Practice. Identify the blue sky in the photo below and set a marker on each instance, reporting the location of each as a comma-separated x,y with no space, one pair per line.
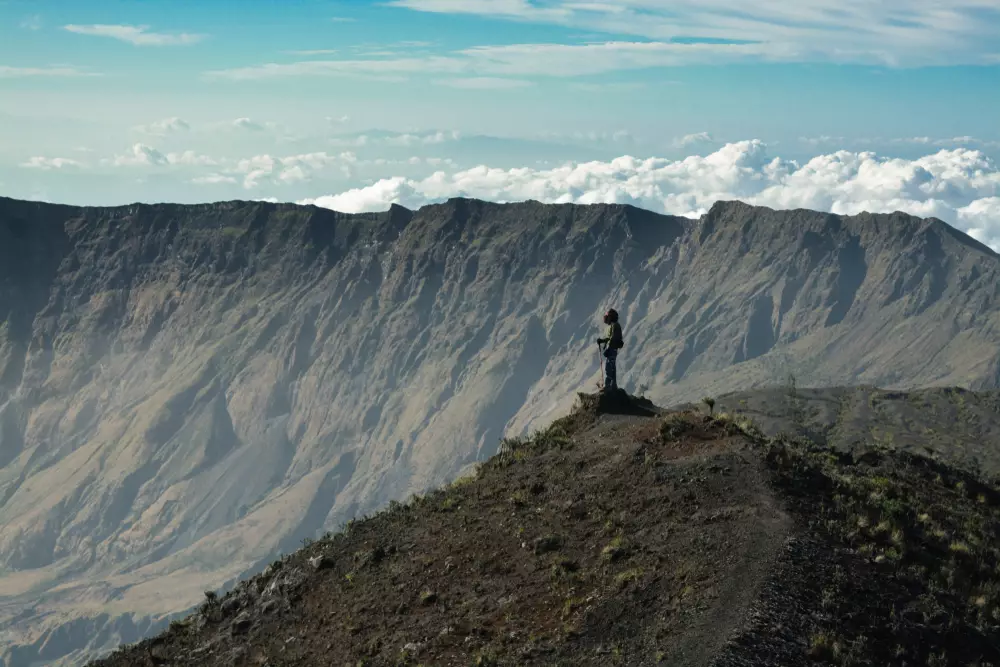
115,101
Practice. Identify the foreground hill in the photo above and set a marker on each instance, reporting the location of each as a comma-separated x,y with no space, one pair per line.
188,391
634,539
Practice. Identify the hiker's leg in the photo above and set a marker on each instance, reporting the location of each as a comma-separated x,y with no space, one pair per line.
612,370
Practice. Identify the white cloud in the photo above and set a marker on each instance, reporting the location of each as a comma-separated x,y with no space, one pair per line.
894,32
981,220
824,140
615,86
590,137
960,186
136,35
7,72
192,159
47,164
247,124
696,139
510,8
283,170
165,126
431,138
375,197
484,83
406,139
140,155
214,179
516,60
938,142
313,52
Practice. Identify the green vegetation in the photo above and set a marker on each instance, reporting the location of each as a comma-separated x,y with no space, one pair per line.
710,403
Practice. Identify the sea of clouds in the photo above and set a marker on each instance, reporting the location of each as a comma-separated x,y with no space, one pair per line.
960,186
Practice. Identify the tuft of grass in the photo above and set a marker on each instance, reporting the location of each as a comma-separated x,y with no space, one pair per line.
673,427
616,550
628,576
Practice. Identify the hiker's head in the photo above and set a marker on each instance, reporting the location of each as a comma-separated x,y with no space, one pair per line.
611,316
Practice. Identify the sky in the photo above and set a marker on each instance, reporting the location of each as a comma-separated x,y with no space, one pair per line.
837,105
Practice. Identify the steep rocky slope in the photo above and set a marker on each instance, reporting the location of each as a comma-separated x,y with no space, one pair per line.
185,391
616,539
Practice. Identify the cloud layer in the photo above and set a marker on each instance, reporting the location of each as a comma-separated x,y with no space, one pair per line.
885,31
960,186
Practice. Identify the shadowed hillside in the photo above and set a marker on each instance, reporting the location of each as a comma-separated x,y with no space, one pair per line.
611,539
188,391
959,425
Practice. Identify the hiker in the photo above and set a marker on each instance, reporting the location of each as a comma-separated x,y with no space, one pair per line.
613,342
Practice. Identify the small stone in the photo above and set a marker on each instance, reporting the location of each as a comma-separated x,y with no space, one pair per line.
546,544
321,562
231,604
241,624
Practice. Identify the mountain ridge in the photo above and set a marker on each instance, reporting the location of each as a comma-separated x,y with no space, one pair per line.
187,390
626,534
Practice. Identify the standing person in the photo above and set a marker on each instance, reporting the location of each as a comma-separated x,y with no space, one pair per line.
613,342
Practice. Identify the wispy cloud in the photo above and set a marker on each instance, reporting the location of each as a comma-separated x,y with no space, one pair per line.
484,83
142,155
165,126
50,163
31,23
342,19
938,142
247,124
696,139
615,86
7,72
136,35
518,60
214,179
313,52
521,9
892,32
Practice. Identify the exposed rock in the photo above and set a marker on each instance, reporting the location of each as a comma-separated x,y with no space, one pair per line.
546,544
321,562
242,624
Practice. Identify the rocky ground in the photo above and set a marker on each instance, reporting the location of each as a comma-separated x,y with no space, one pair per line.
627,535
